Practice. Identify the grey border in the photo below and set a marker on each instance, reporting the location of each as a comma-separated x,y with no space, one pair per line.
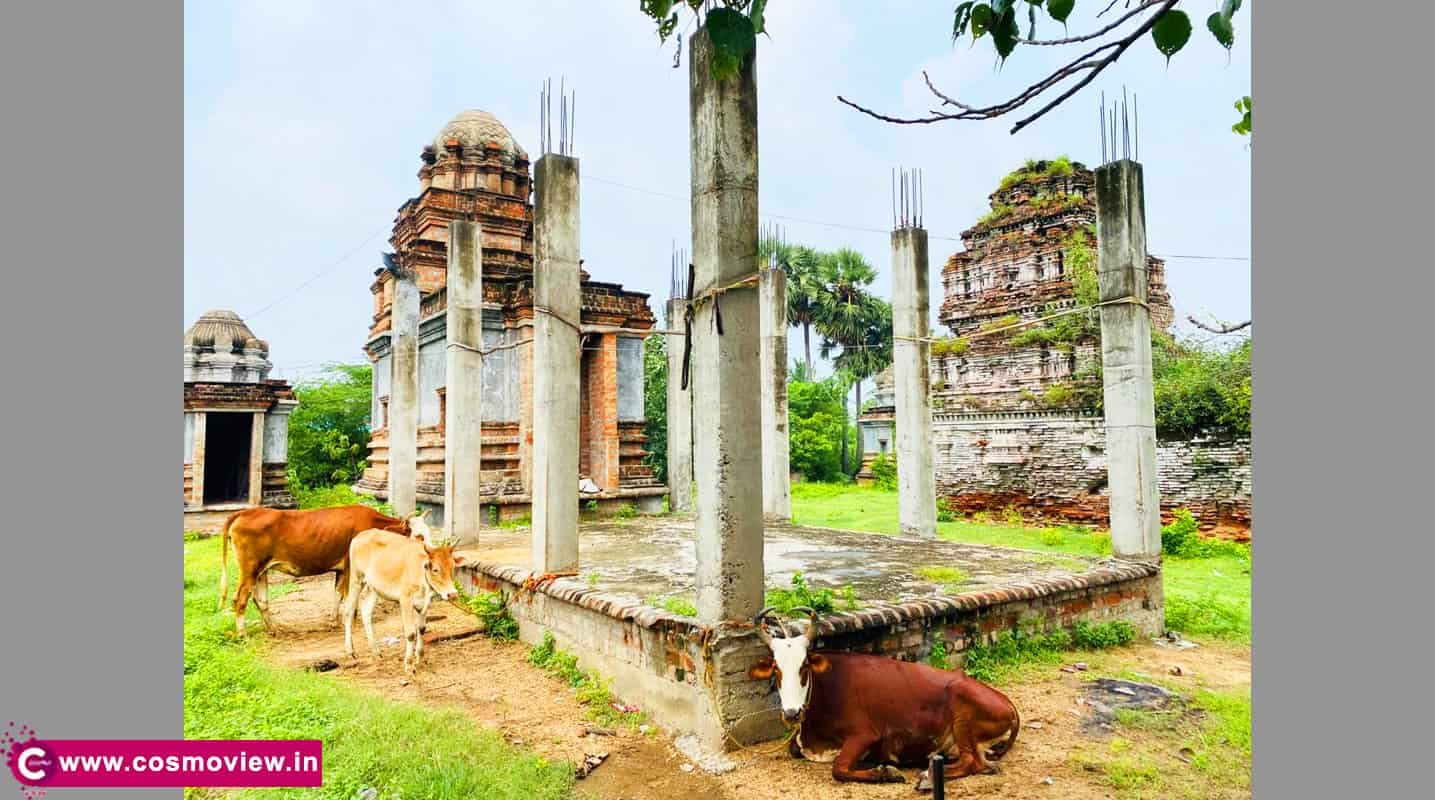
91,157
1341,279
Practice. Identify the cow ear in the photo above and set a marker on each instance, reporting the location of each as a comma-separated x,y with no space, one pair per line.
818,662
459,561
762,670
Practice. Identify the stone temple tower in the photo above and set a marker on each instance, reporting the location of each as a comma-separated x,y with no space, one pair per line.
475,168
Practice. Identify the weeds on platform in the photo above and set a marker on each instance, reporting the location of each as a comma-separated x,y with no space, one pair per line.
492,610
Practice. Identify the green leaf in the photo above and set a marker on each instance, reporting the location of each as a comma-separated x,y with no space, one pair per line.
1060,9
1005,33
1031,15
981,21
756,15
1171,32
1229,8
733,39
960,18
657,9
1220,27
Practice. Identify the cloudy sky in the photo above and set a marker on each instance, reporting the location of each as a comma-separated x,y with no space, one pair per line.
304,120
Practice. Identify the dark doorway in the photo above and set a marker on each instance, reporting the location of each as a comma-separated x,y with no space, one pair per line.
226,457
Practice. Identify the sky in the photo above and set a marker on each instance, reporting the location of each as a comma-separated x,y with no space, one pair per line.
304,120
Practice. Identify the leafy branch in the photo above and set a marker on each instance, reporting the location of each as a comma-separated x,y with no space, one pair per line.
1169,27
732,27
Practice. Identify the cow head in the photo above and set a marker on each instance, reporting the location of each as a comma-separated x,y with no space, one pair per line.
791,663
438,569
418,526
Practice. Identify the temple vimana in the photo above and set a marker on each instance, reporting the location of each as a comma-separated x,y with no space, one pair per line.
1013,407
475,166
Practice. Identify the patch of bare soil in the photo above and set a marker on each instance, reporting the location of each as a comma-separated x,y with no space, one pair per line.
493,684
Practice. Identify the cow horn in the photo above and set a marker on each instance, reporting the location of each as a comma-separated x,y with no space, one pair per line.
811,632
759,624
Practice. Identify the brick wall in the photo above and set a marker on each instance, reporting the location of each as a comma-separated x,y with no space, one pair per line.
1053,464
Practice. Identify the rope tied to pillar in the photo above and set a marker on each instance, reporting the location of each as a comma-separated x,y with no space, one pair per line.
488,351
692,304
1127,300
537,309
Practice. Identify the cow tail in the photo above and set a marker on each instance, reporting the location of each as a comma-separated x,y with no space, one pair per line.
1015,728
224,559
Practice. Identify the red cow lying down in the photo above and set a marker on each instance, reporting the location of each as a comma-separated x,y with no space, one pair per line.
853,707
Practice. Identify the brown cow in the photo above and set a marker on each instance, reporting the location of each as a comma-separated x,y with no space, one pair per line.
300,543
404,569
851,706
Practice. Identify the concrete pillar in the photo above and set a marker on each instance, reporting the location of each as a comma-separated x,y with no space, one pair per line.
256,459
463,382
196,461
776,476
680,418
916,482
727,419
556,374
404,395
1126,363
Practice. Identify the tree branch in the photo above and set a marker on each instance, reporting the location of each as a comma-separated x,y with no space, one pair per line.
1099,33
1083,63
1219,328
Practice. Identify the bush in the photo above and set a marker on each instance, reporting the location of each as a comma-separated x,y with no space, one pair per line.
993,662
945,512
884,472
626,511
783,601
337,495
1053,537
948,346
492,610
1116,633
1182,539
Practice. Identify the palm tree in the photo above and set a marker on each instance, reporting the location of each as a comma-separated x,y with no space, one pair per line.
868,352
848,317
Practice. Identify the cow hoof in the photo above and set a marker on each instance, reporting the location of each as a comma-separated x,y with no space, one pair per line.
891,774
991,770
924,783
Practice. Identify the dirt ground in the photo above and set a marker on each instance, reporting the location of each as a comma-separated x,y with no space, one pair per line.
495,686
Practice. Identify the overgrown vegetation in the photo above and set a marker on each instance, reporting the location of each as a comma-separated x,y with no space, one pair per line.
676,605
397,749
1038,170
492,610
337,495
655,402
1201,390
995,662
950,346
816,413
1182,539
590,688
884,472
950,578
823,601
329,430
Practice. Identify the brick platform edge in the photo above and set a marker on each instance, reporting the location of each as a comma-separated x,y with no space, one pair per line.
687,675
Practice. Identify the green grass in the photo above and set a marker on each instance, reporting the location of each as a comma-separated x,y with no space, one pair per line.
230,692
590,688
1208,597
1015,654
338,495
675,605
950,578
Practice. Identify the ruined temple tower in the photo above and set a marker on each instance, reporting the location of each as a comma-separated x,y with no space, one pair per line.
474,168
236,418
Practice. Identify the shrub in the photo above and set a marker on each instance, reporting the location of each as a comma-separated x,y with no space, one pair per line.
1116,633
1182,537
948,346
945,512
492,610
1011,515
884,472
626,511
938,656
1101,542
1053,537
993,662
785,600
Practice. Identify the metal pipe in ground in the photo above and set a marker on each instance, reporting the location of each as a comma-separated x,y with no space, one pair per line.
939,777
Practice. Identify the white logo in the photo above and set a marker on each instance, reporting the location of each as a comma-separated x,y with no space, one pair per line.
22,763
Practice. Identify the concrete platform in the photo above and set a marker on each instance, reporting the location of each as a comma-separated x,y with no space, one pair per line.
692,676
654,556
